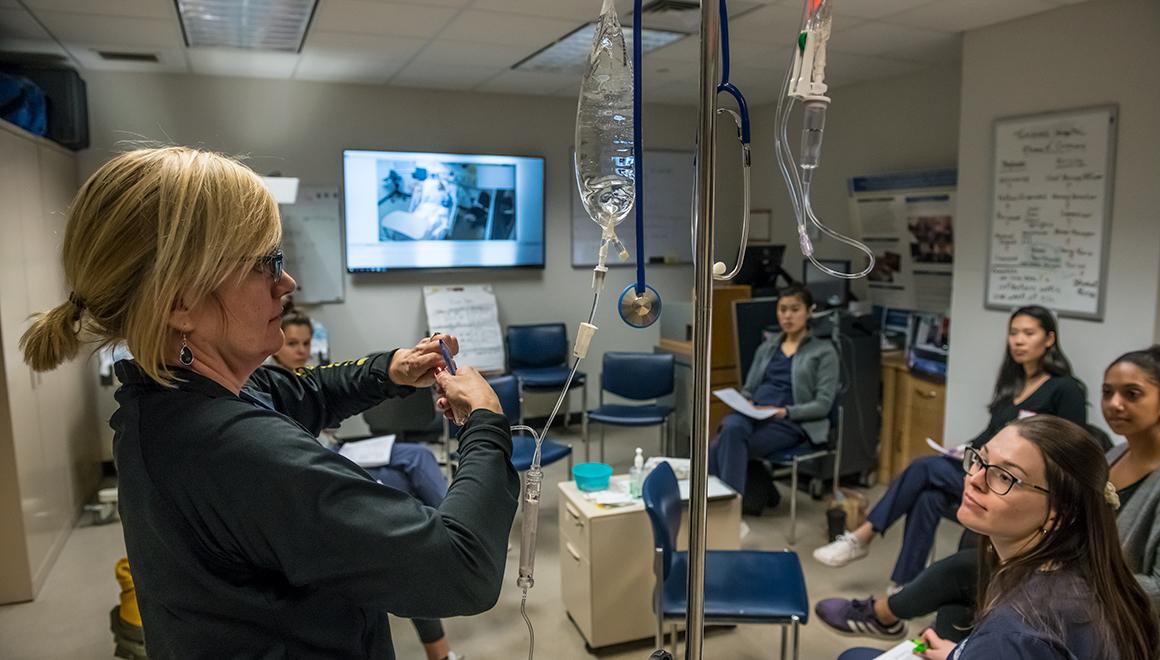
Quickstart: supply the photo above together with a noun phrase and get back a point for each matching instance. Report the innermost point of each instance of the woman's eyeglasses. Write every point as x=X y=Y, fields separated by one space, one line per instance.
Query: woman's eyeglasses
x=999 y=480
x=272 y=264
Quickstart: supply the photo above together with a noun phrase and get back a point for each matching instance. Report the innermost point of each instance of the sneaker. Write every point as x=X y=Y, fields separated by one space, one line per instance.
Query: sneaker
x=455 y=656
x=845 y=549
x=856 y=617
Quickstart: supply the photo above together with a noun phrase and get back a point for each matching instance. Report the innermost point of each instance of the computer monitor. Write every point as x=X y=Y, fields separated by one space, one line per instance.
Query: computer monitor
x=929 y=344
x=761 y=269
x=828 y=291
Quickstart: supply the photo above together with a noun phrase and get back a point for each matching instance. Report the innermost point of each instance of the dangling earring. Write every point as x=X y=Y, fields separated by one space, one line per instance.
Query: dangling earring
x=186 y=355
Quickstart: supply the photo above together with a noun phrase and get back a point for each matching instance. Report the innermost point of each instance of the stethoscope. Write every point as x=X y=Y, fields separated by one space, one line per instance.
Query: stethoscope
x=639 y=304
x=741 y=120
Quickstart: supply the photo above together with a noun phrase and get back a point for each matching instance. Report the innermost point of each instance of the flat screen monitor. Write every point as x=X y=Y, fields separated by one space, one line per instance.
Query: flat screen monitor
x=828 y=291
x=929 y=344
x=410 y=210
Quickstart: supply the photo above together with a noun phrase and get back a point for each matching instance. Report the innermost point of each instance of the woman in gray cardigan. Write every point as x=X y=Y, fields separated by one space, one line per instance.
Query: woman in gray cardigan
x=795 y=376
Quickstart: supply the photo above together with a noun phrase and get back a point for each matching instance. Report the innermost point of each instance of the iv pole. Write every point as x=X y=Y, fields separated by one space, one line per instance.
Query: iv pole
x=702 y=316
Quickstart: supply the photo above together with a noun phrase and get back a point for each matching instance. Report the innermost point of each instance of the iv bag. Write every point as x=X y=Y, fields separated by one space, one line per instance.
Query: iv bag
x=604 y=141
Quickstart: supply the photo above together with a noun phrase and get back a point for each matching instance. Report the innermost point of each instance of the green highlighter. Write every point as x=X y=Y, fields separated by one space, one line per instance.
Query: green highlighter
x=919 y=646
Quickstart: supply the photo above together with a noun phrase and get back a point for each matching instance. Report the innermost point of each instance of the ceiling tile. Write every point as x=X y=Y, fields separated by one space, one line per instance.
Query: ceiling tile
x=777 y=22
x=867 y=8
x=462 y=77
x=876 y=38
x=579 y=10
x=124 y=31
x=942 y=52
x=448 y=52
x=495 y=28
x=244 y=63
x=19 y=24
x=957 y=15
x=136 y=8
x=333 y=67
x=381 y=18
x=685 y=50
x=350 y=44
x=530 y=82
x=39 y=46
x=169 y=60
x=767 y=54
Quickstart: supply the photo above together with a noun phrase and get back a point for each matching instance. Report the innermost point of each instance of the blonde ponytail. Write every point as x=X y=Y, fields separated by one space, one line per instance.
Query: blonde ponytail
x=54 y=336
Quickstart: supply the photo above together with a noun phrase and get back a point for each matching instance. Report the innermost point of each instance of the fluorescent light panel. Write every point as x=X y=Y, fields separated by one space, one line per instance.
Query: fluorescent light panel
x=569 y=54
x=276 y=25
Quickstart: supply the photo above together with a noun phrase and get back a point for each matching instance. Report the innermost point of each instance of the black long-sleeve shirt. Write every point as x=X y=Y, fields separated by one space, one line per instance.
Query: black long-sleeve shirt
x=247 y=539
x=1062 y=396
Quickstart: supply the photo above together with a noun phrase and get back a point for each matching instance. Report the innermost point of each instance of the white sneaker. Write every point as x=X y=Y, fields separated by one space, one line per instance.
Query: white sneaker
x=844 y=550
x=744 y=529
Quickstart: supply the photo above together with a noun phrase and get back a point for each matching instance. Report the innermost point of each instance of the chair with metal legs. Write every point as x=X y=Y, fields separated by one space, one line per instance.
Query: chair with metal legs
x=807 y=452
x=636 y=377
x=741 y=586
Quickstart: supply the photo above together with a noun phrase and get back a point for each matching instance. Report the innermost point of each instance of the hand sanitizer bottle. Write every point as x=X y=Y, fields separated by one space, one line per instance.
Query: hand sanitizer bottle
x=636 y=474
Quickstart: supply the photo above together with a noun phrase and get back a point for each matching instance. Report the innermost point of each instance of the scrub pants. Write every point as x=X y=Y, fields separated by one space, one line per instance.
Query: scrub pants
x=413 y=469
x=741 y=438
x=929 y=489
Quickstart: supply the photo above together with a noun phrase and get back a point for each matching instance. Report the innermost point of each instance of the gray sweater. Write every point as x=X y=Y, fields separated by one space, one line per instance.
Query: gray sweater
x=1139 y=526
x=815 y=382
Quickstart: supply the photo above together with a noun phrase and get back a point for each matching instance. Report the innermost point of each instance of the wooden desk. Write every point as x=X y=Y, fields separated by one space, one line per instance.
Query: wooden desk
x=606 y=561
x=913 y=409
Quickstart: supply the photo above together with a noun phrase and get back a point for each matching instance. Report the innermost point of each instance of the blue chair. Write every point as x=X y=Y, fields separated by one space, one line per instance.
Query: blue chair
x=741 y=586
x=537 y=354
x=809 y=452
x=507 y=389
x=637 y=377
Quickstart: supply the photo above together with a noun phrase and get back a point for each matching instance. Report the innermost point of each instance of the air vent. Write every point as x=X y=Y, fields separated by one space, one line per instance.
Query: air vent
x=115 y=56
x=661 y=6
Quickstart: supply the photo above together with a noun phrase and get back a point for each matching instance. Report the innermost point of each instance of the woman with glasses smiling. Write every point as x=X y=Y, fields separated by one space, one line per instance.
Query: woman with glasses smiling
x=246 y=537
x=1054 y=582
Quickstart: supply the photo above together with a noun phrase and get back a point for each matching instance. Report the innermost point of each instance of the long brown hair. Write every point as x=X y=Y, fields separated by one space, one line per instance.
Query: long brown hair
x=1082 y=542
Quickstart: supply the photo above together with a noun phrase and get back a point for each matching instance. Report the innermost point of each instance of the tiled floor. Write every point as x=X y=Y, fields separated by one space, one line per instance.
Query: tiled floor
x=69 y=619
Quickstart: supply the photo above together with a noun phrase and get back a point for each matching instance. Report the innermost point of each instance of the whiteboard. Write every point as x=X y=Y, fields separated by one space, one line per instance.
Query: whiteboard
x=1051 y=202
x=469 y=312
x=312 y=243
x=668 y=209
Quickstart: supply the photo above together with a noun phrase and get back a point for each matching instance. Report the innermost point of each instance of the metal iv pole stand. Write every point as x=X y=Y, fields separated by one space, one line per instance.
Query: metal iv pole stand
x=702 y=317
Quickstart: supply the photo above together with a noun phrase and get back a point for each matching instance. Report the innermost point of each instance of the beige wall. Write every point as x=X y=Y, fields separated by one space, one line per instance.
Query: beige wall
x=1087 y=54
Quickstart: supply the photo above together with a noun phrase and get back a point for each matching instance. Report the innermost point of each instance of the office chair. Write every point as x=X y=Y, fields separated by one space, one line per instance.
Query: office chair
x=741 y=586
x=637 y=377
x=538 y=355
x=507 y=389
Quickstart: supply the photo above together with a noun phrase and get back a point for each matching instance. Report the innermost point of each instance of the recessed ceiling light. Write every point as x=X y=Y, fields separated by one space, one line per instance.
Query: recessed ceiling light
x=278 y=25
x=569 y=53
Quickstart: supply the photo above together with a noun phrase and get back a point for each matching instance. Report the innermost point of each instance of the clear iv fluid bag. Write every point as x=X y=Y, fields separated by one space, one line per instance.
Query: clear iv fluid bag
x=604 y=142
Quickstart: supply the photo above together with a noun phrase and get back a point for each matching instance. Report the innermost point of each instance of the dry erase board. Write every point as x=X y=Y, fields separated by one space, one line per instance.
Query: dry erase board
x=668 y=213
x=1051 y=205
x=312 y=241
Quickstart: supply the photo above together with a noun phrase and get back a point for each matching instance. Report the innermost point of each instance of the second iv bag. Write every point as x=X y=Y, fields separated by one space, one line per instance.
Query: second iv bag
x=604 y=143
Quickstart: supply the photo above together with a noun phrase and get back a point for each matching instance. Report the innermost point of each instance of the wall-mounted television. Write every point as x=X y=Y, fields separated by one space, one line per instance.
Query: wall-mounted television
x=408 y=210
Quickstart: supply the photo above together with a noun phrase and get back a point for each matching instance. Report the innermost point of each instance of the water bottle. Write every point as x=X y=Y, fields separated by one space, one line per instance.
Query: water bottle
x=636 y=474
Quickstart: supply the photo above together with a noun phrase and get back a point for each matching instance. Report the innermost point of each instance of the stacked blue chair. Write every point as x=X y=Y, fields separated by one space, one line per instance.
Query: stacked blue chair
x=538 y=356
x=741 y=586
x=507 y=389
x=637 y=377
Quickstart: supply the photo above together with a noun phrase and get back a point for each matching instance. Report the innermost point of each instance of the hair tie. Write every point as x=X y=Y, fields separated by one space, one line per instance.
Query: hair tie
x=76 y=301
x=1111 y=496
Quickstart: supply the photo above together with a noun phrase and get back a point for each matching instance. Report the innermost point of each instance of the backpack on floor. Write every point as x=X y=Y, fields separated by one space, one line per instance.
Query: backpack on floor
x=23 y=104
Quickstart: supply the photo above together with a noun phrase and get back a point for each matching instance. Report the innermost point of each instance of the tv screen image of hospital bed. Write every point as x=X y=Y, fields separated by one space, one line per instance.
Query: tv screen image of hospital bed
x=407 y=210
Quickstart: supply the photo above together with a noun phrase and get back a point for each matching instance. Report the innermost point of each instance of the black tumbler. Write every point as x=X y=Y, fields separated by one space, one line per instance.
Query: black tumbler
x=835 y=522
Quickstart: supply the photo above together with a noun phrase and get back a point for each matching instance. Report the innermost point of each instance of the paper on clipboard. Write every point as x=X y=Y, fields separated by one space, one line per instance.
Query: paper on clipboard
x=369 y=453
x=904 y=651
x=734 y=400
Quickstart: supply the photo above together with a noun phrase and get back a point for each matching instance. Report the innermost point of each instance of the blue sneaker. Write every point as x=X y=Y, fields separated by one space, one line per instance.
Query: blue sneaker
x=856 y=617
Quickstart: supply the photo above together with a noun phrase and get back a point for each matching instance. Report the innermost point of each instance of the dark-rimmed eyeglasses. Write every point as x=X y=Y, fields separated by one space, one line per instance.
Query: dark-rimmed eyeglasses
x=272 y=264
x=999 y=480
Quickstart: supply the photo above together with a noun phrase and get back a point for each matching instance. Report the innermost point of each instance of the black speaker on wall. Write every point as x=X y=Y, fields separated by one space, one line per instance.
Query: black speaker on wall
x=66 y=97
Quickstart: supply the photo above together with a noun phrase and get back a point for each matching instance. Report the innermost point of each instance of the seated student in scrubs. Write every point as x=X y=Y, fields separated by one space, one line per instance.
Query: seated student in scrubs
x=793 y=374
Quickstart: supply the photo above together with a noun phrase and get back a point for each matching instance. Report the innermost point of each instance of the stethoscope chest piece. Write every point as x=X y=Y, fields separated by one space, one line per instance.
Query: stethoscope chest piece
x=639 y=311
